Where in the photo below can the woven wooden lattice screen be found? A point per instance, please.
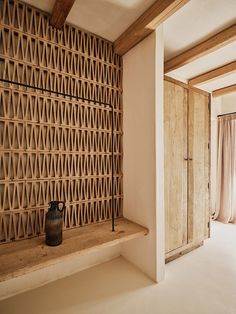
(54, 147)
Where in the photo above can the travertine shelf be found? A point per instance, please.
(19, 258)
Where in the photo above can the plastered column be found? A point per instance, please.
(143, 165)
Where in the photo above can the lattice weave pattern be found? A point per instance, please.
(55, 147)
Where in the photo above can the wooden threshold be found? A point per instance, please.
(22, 257)
(185, 251)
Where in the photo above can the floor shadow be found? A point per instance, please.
(95, 285)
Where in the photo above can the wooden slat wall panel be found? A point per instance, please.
(54, 147)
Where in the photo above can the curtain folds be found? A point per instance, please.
(226, 170)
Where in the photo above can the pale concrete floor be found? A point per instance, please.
(202, 282)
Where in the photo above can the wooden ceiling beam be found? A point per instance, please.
(60, 12)
(146, 24)
(214, 74)
(213, 43)
(224, 91)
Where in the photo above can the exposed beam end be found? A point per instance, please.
(60, 12)
(146, 24)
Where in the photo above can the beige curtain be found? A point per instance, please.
(226, 170)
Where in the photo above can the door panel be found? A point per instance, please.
(175, 142)
(198, 170)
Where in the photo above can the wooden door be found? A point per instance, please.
(175, 143)
(198, 166)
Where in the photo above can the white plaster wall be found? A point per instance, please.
(228, 103)
(220, 105)
(143, 152)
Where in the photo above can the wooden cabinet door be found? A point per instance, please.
(198, 166)
(175, 143)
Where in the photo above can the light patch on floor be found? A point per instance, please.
(201, 282)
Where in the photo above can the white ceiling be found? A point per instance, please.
(211, 61)
(106, 18)
(193, 23)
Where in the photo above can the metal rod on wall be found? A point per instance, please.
(112, 132)
(57, 93)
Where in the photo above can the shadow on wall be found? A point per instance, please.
(81, 292)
